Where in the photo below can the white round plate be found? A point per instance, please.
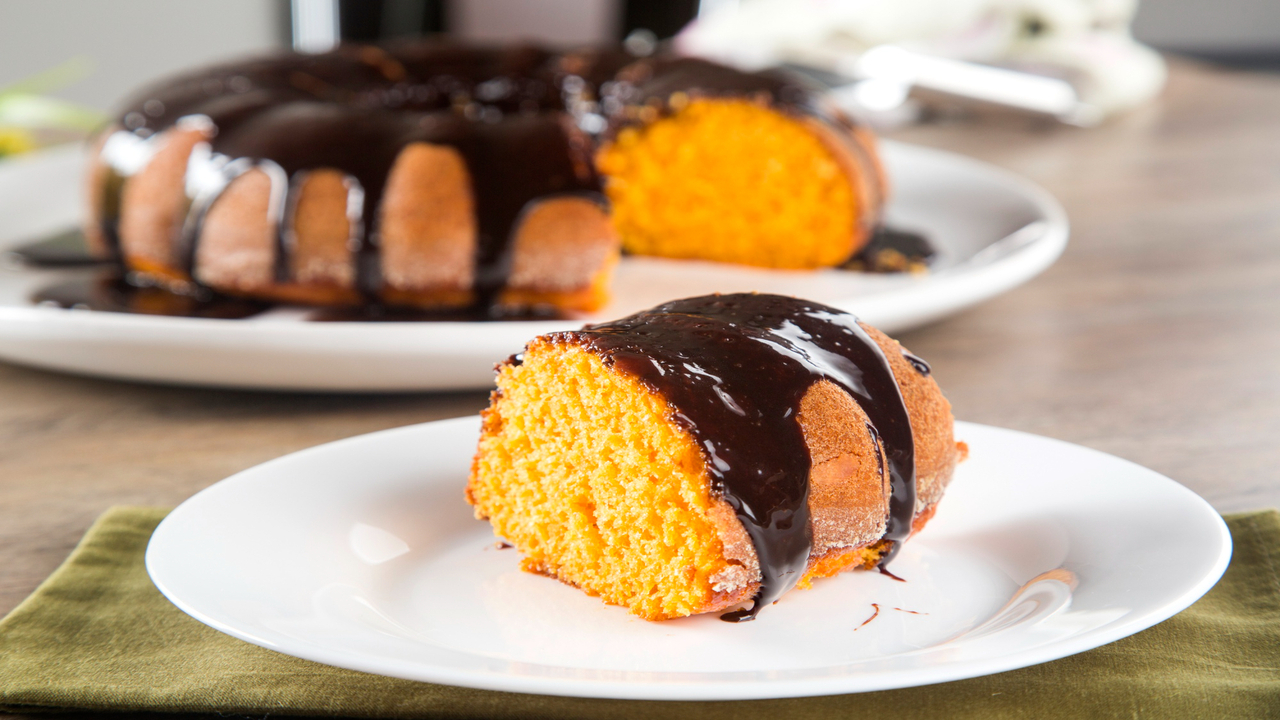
(363, 554)
(993, 231)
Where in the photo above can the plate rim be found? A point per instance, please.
(949, 290)
(696, 690)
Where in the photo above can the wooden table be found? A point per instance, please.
(1156, 337)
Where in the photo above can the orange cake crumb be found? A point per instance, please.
(730, 180)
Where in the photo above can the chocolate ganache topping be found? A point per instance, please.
(734, 369)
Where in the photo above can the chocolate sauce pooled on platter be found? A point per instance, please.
(391, 313)
(734, 369)
(890, 250)
(109, 292)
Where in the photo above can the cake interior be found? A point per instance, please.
(581, 469)
(730, 180)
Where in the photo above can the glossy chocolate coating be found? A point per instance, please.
(734, 369)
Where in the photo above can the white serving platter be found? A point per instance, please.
(363, 554)
(993, 231)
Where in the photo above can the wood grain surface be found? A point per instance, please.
(1156, 337)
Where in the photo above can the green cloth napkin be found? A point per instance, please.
(97, 635)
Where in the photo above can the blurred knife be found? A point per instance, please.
(885, 76)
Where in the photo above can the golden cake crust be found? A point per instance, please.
(848, 492)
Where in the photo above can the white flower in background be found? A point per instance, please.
(1086, 42)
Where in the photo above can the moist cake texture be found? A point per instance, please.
(712, 452)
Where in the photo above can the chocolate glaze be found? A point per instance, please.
(734, 369)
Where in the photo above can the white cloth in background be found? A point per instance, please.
(1084, 41)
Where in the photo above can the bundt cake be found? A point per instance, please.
(710, 452)
(441, 176)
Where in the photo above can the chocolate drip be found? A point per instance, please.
(734, 369)
(919, 364)
(885, 571)
(874, 615)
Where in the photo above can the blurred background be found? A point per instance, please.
(93, 53)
